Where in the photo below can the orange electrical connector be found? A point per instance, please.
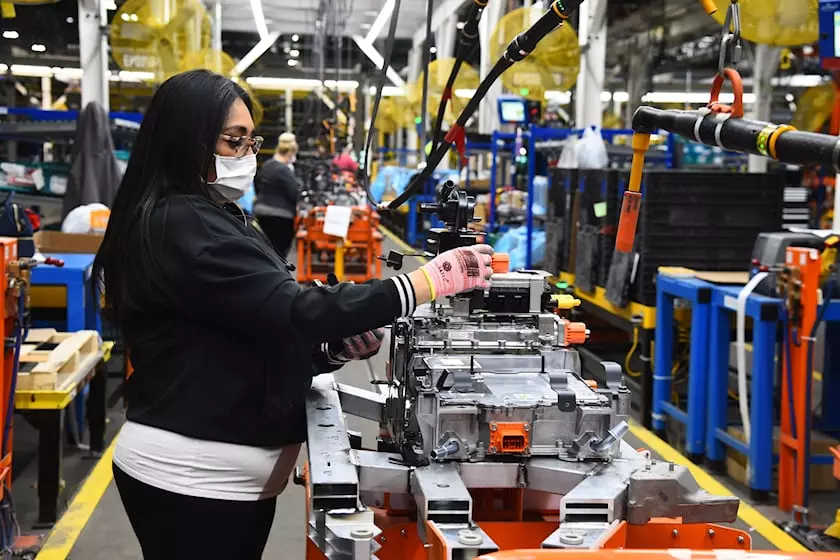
(508, 437)
(500, 263)
(575, 333)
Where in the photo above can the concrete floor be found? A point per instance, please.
(109, 535)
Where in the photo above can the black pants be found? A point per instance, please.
(280, 231)
(172, 526)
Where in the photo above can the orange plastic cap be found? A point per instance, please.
(500, 262)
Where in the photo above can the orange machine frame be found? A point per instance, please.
(502, 514)
(804, 266)
(363, 239)
(8, 255)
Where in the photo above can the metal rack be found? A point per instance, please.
(536, 138)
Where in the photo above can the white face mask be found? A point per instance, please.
(234, 175)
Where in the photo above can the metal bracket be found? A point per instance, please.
(668, 490)
(559, 381)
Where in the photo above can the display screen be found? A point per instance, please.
(837, 34)
(513, 111)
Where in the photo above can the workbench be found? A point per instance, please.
(765, 313)
(44, 409)
(633, 316)
(74, 282)
(699, 293)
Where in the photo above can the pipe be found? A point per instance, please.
(741, 351)
(780, 142)
(613, 435)
(442, 452)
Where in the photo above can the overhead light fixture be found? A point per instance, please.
(38, 47)
(388, 91)
(621, 96)
(134, 17)
(459, 25)
(295, 37)
(294, 53)
(69, 19)
(371, 13)
(380, 21)
(292, 62)
(364, 26)
(110, 5)
(11, 34)
(259, 18)
(433, 50)
(264, 82)
(125, 17)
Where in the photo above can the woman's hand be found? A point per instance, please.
(362, 346)
(457, 270)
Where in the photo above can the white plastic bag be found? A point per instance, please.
(592, 152)
(569, 156)
(79, 220)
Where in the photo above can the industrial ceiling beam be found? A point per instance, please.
(259, 18)
(370, 51)
(258, 50)
(441, 14)
(380, 21)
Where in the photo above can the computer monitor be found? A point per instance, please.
(512, 110)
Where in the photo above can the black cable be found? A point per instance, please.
(427, 58)
(467, 45)
(438, 154)
(383, 76)
(522, 45)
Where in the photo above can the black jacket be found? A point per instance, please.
(223, 340)
(277, 190)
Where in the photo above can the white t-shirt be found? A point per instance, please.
(201, 468)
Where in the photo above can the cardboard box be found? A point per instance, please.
(57, 242)
(822, 477)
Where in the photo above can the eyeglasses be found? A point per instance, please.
(241, 144)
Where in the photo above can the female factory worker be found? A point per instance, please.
(277, 194)
(223, 340)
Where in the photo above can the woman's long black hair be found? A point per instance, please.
(172, 155)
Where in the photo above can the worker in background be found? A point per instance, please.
(277, 195)
(223, 340)
(344, 161)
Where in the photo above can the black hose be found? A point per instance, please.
(517, 50)
(383, 76)
(438, 154)
(427, 57)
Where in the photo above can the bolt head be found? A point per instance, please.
(491, 449)
(741, 539)
(403, 532)
(711, 532)
(362, 533)
(527, 427)
(675, 533)
(493, 427)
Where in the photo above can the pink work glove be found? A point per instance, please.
(361, 346)
(459, 270)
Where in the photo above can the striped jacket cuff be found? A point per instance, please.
(405, 291)
(333, 358)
